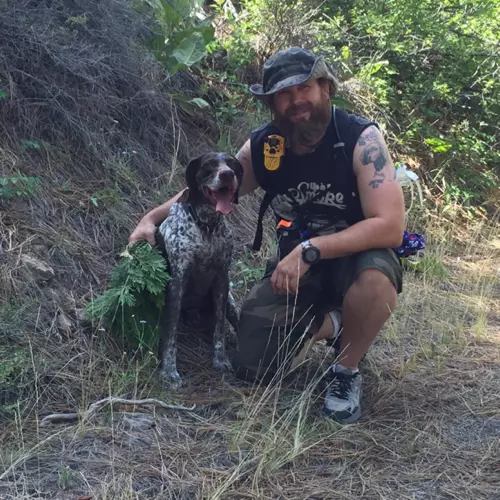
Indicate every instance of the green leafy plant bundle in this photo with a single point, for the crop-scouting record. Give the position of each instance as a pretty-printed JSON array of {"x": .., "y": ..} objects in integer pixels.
[
  {"x": 131, "y": 306},
  {"x": 18, "y": 186}
]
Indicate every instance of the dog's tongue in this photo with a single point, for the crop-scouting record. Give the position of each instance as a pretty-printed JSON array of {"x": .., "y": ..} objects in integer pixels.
[{"x": 224, "y": 201}]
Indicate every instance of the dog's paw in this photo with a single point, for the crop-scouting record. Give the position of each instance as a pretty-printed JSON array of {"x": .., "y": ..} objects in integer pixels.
[
  {"x": 171, "y": 380},
  {"x": 222, "y": 364}
]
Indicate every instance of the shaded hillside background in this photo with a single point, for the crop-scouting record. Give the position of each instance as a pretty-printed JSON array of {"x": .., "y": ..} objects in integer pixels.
[{"x": 102, "y": 104}]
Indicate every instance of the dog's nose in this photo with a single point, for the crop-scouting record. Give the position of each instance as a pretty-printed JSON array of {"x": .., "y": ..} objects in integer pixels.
[{"x": 226, "y": 175}]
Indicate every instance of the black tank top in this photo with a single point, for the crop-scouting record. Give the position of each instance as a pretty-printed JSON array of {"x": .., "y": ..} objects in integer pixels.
[{"x": 319, "y": 187}]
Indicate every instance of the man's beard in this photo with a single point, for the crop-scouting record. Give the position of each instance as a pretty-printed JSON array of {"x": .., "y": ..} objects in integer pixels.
[{"x": 305, "y": 132}]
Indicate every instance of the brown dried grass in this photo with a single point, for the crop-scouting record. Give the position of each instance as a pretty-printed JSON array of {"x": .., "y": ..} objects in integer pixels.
[{"x": 430, "y": 427}]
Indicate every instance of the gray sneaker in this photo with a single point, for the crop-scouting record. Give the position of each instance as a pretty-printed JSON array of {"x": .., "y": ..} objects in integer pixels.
[{"x": 343, "y": 394}]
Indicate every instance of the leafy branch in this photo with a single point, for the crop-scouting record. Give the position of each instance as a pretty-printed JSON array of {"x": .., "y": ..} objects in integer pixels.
[{"x": 132, "y": 304}]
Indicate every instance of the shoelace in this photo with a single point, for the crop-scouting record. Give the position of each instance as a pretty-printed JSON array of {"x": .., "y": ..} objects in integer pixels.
[{"x": 340, "y": 384}]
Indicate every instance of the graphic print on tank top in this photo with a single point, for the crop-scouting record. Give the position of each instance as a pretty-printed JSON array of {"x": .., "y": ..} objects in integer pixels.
[{"x": 324, "y": 196}]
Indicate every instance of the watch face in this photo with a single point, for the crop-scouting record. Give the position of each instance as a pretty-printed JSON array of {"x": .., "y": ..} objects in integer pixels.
[{"x": 311, "y": 255}]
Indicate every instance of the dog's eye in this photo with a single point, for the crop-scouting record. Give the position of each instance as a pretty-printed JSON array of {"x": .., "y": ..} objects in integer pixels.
[{"x": 205, "y": 175}]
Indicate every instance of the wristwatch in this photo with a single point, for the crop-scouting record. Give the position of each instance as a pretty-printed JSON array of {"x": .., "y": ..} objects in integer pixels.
[{"x": 310, "y": 253}]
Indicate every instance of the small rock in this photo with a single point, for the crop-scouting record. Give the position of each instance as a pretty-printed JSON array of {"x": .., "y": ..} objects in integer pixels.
[
  {"x": 64, "y": 323},
  {"x": 37, "y": 267},
  {"x": 40, "y": 250},
  {"x": 80, "y": 315},
  {"x": 137, "y": 422}
]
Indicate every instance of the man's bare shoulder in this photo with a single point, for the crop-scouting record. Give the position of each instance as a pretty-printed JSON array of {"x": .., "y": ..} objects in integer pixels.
[
  {"x": 245, "y": 153},
  {"x": 244, "y": 156},
  {"x": 371, "y": 149}
]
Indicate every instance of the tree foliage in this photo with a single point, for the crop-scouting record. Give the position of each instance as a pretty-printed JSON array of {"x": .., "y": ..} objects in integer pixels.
[
  {"x": 434, "y": 66},
  {"x": 428, "y": 71}
]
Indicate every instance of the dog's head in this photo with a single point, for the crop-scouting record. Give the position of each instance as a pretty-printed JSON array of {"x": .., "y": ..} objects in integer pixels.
[{"x": 214, "y": 178}]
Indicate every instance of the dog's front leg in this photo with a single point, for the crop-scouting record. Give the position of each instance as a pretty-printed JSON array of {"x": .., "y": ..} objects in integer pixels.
[
  {"x": 220, "y": 291},
  {"x": 170, "y": 319},
  {"x": 232, "y": 312}
]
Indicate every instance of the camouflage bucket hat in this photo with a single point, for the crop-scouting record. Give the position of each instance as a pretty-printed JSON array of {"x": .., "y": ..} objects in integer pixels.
[{"x": 292, "y": 67}]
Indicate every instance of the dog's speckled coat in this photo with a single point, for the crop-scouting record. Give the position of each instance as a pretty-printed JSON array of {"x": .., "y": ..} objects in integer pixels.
[{"x": 199, "y": 246}]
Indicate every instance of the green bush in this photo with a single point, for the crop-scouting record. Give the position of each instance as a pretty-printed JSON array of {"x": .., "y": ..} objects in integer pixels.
[{"x": 181, "y": 34}]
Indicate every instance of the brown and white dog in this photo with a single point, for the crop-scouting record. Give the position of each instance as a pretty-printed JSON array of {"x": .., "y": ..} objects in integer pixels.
[{"x": 198, "y": 244}]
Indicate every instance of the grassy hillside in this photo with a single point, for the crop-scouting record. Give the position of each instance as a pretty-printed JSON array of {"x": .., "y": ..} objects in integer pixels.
[{"x": 97, "y": 128}]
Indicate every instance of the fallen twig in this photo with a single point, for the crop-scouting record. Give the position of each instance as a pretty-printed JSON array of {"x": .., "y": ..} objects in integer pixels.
[{"x": 95, "y": 407}]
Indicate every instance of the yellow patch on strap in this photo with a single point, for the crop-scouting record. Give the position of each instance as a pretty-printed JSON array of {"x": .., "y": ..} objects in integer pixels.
[{"x": 274, "y": 149}]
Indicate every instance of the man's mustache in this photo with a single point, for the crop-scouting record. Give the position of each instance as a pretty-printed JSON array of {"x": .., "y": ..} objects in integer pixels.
[{"x": 295, "y": 110}]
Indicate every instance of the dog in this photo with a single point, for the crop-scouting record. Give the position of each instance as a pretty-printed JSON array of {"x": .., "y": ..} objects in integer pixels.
[{"x": 197, "y": 241}]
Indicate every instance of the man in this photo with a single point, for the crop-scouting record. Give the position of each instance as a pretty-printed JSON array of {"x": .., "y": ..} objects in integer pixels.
[{"x": 331, "y": 183}]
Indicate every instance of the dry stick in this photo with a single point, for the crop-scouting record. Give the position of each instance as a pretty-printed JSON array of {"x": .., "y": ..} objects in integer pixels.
[{"x": 95, "y": 407}]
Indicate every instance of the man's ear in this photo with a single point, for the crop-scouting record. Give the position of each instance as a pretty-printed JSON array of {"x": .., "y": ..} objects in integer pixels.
[
  {"x": 190, "y": 176},
  {"x": 327, "y": 87}
]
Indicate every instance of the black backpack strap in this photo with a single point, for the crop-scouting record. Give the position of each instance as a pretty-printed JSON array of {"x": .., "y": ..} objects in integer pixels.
[
  {"x": 264, "y": 205},
  {"x": 339, "y": 143}
]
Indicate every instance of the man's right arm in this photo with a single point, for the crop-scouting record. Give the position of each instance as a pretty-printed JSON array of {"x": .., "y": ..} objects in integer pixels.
[
  {"x": 146, "y": 228},
  {"x": 249, "y": 182}
]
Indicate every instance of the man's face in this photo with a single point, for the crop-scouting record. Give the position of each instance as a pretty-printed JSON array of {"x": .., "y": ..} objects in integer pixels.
[{"x": 302, "y": 112}]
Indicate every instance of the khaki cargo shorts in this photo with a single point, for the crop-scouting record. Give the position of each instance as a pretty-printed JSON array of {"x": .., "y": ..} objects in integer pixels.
[{"x": 274, "y": 327}]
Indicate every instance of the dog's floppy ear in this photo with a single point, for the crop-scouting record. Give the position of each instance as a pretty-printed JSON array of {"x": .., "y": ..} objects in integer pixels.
[
  {"x": 238, "y": 171},
  {"x": 190, "y": 176}
]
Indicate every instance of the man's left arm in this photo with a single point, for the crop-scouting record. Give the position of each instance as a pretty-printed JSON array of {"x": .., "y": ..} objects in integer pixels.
[
  {"x": 381, "y": 199},
  {"x": 382, "y": 202}
]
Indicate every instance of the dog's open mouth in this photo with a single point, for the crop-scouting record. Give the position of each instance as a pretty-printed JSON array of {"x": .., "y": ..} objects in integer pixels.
[{"x": 221, "y": 198}]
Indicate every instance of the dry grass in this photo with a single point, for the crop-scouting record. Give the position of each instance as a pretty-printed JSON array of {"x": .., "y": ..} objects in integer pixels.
[{"x": 430, "y": 427}]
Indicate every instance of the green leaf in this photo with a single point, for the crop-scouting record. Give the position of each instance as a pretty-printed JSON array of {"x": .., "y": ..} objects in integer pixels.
[
  {"x": 167, "y": 13},
  {"x": 157, "y": 45},
  {"x": 3, "y": 94},
  {"x": 201, "y": 103},
  {"x": 371, "y": 68},
  {"x": 204, "y": 28},
  {"x": 438, "y": 145},
  {"x": 342, "y": 102},
  {"x": 190, "y": 51},
  {"x": 345, "y": 52},
  {"x": 32, "y": 144}
]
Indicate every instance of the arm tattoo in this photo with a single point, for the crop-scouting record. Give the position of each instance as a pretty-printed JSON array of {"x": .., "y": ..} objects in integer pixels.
[
  {"x": 370, "y": 136},
  {"x": 374, "y": 153},
  {"x": 375, "y": 183}
]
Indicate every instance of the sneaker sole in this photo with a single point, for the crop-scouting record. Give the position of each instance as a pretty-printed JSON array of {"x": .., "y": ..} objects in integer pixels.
[{"x": 353, "y": 417}]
